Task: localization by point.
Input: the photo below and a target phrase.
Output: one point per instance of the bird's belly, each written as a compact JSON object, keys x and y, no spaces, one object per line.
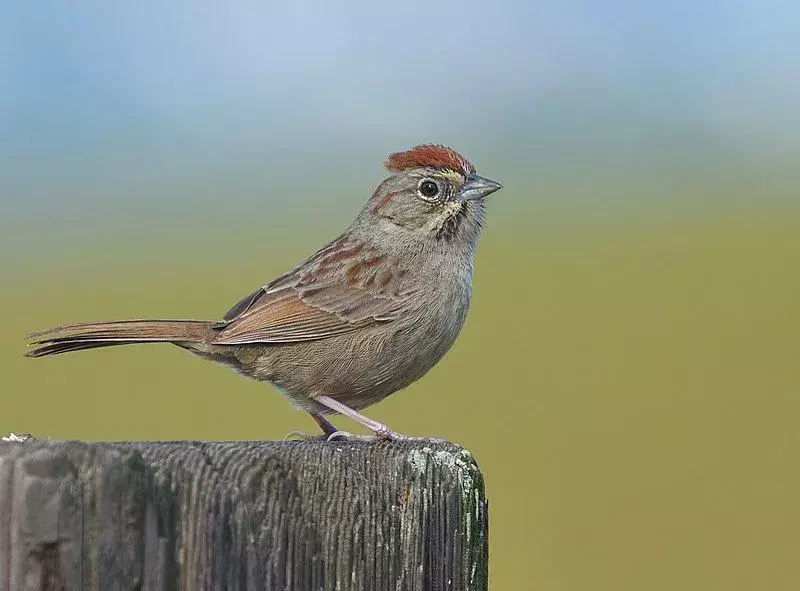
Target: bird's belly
{"x":359,"y":368}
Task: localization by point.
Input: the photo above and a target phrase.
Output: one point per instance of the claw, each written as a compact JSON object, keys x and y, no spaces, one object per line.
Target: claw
{"x":390,"y":435}
{"x":346,"y":436}
{"x":341,"y":435}
{"x":300,"y":436}
{"x":380,"y":435}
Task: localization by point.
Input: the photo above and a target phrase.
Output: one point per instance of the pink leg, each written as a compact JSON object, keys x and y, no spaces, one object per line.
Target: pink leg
{"x":381,"y":430}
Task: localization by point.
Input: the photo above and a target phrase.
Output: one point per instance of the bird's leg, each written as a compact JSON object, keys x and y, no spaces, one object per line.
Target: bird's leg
{"x":381,"y":430}
{"x":327,"y":427}
{"x":329,"y":430}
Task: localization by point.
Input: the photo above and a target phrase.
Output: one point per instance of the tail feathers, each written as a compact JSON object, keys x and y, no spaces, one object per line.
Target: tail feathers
{"x":77,"y":337}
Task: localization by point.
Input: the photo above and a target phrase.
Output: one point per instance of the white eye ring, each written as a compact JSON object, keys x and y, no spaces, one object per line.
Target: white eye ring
{"x":428,"y":189}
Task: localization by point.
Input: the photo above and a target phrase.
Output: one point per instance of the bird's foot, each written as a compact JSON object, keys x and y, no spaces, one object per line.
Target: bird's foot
{"x":382,"y":432}
{"x":347,"y":436}
{"x":300,"y":436}
{"x":394,"y":436}
{"x":382,"y":435}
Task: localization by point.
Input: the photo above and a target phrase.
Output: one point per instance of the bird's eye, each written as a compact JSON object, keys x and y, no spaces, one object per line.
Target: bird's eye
{"x":428,"y":189}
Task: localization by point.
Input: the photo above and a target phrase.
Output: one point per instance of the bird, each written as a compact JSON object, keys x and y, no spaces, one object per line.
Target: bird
{"x":366,"y":315}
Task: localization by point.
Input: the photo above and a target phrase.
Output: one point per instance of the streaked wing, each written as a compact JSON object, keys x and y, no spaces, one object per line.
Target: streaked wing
{"x":343,"y":287}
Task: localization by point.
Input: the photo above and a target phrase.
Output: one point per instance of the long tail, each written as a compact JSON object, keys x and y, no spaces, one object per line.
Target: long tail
{"x":92,"y":335}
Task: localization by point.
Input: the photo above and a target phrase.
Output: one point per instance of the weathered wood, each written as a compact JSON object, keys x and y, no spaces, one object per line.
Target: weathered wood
{"x":241,"y":515}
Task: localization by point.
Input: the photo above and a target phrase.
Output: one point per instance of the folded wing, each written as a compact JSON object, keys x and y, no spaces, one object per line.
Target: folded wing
{"x":345,"y":286}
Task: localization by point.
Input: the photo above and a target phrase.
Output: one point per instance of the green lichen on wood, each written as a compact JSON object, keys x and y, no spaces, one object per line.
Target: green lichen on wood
{"x":462,"y":468}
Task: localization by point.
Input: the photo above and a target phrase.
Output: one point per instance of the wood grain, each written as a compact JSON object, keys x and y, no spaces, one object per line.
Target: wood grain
{"x":241,"y":515}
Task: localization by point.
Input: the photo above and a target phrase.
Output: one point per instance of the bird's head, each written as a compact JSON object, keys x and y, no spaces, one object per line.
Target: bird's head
{"x":433,"y":192}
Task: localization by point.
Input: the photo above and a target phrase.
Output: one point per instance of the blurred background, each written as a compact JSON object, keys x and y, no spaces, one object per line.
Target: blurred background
{"x":628,"y":376}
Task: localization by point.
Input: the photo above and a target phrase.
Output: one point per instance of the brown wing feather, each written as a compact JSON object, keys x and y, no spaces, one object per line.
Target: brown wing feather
{"x":282,"y":320}
{"x":343,"y":287}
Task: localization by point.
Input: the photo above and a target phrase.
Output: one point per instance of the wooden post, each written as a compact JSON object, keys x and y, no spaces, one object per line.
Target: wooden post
{"x":241,"y":515}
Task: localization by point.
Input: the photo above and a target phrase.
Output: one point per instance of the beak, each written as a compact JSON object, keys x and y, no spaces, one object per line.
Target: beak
{"x":478,"y":187}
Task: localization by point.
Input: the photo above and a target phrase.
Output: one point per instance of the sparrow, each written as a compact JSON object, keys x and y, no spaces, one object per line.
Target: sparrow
{"x":364,"y":316}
